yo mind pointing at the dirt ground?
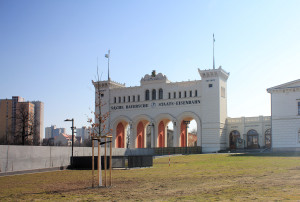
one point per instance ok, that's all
(213, 177)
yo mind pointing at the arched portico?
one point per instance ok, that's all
(120, 135)
(163, 139)
(183, 120)
(138, 138)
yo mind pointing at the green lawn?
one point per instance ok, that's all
(228, 177)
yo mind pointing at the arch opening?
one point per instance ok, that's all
(188, 132)
(252, 139)
(268, 138)
(233, 138)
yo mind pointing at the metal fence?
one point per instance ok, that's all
(177, 150)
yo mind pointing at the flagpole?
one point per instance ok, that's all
(108, 56)
(213, 51)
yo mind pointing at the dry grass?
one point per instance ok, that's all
(260, 177)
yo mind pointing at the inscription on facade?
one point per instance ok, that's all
(154, 104)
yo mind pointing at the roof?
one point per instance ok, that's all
(288, 85)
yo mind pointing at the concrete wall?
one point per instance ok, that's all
(20, 158)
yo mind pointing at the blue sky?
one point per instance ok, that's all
(49, 49)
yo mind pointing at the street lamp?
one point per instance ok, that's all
(72, 138)
(186, 134)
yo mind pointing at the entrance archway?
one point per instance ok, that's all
(268, 138)
(234, 135)
(140, 135)
(189, 123)
(252, 139)
(120, 136)
(161, 134)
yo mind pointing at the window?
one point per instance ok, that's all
(191, 93)
(299, 136)
(133, 98)
(138, 98)
(102, 95)
(153, 94)
(160, 94)
(129, 98)
(196, 93)
(184, 93)
(174, 94)
(210, 85)
(179, 96)
(298, 108)
(223, 92)
(115, 99)
(169, 95)
(119, 99)
(124, 99)
(147, 95)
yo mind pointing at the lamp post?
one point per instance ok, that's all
(152, 133)
(72, 138)
(186, 134)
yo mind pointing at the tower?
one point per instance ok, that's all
(214, 108)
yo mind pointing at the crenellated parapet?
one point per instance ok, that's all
(213, 73)
(108, 84)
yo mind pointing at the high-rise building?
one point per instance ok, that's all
(6, 121)
(21, 122)
(83, 132)
(39, 115)
(51, 132)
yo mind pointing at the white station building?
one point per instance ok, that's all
(157, 102)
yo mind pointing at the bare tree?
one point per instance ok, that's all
(25, 124)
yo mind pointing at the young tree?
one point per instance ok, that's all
(98, 125)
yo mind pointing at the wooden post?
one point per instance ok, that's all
(110, 161)
(93, 163)
(99, 165)
(105, 162)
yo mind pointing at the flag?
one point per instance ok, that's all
(107, 55)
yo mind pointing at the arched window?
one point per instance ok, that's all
(233, 137)
(153, 94)
(160, 94)
(147, 95)
(252, 139)
(299, 136)
(268, 138)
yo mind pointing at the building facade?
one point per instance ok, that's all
(157, 102)
(52, 131)
(21, 122)
(248, 132)
(285, 113)
(83, 132)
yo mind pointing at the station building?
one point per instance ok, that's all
(139, 116)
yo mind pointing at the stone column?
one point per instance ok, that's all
(132, 136)
(175, 134)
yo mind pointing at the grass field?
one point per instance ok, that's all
(228, 177)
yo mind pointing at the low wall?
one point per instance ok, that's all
(15, 158)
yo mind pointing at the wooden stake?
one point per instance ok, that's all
(105, 162)
(93, 163)
(110, 161)
(99, 165)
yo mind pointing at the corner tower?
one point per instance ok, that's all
(214, 108)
